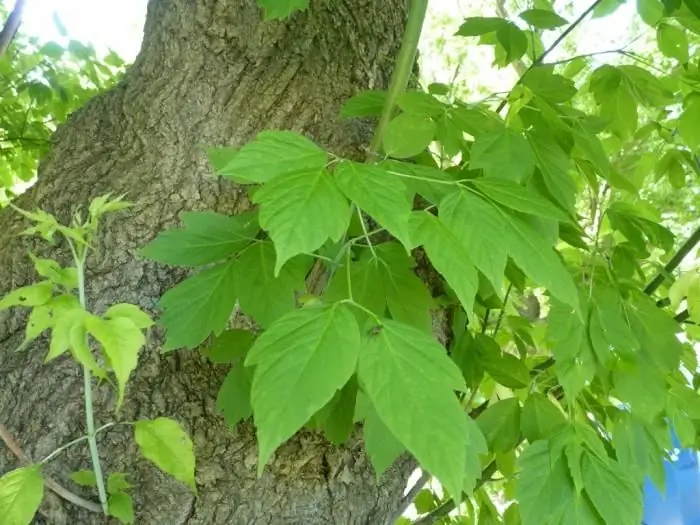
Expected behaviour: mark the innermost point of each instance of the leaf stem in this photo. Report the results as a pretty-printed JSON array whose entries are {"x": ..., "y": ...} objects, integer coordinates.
[
  {"x": 74, "y": 442},
  {"x": 347, "y": 272},
  {"x": 87, "y": 392},
  {"x": 365, "y": 232},
  {"x": 366, "y": 310}
]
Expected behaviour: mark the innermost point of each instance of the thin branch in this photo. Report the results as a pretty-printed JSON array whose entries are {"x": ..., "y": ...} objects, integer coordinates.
[
  {"x": 585, "y": 55},
  {"x": 10, "y": 30},
  {"x": 408, "y": 498},
  {"x": 447, "y": 507},
  {"x": 50, "y": 482},
  {"x": 503, "y": 310},
  {"x": 675, "y": 261},
  {"x": 538, "y": 61}
]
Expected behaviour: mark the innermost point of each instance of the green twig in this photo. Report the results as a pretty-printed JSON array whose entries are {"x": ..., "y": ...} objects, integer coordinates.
[
  {"x": 402, "y": 72},
  {"x": 87, "y": 386}
]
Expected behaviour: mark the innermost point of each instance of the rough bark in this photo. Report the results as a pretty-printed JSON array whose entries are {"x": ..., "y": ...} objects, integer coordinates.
[{"x": 209, "y": 73}]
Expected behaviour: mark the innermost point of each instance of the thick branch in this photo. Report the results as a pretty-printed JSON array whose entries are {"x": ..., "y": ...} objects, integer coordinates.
[{"x": 10, "y": 30}]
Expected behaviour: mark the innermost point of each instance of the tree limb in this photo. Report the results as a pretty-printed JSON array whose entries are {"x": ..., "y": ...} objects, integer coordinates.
[{"x": 10, "y": 30}]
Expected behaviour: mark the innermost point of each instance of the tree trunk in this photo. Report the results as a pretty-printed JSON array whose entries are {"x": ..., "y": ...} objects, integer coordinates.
[{"x": 209, "y": 73}]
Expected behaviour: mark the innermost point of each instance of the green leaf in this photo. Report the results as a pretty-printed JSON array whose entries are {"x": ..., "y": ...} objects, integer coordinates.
[
  {"x": 367, "y": 279},
  {"x": 504, "y": 368},
  {"x": 592, "y": 149},
  {"x": 164, "y": 442},
  {"x": 116, "y": 482},
  {"x": 574, "y": 361},
  {"x": 500, "y": 423},
  {"x": 80, "y": 350},
  {"x": 33, "y": 295},
  {"x": 476, "y": 447},
  {"x": 121, "y": 341},
  {"x": 131, "y": 312},
  {"x": 480, "y": 25},
  {"x": 408, "y": 135},
  {"x": 543, "y": 488},
  {"x": 282, "y": 8},
  {"x": 425, "y": 501},
  {"x": 609, "y": 330},
  {"x": 420, "y": 103},
  {"x": 54, "y": 272},
  {"x": 606, "y": 7},
  {"x": 650, "y": 11},
  {"x": 21, "y": 492},
  {"x": 262, "y": 295},
  {"x": 554, "y": 165},
  {"x": 380, "y": 194},
  {"x": 541, "y": 419},
  {"x": 64, "y": 320},
  {"x": 381, "y": 445},
  {"x": 271, "y": 154},
  {"x": 551, "y": 87},
  {"x": 513, "y": 40},
  {"x": 535, "y": 256},
  {"x": 120, "y": 506},
  {"x": 44, "y": 317},
  {"x": 206, "y": 237},
  {"x": 84, "y": 478},
  {"x": 301, "y": 360},
  {"x": 520, "y": 198},
  {"x": 672, "y": 42},
  {"x": 636, "y": 449},
  {"x": 689, "y": 123},
  {"x": 407, "y": 298},
  {"x": 449, "y": 256},
  {"x": 411, "y": 381},
  {"x": 543, "y": 19},
  {"x": 365, "y": 104},
  {"x": 642, "y": 388},
  {"x": 301, "y": 211},
  {"x": 503, "y": 154},
  {"x": 229, "y": 346},
  {"x": 613, "y": 493},
  {"x": 233, "y": 399},
  {"x": 199, "y": 306},
  {"x": 480, "y": 226},
  {"x": 340, "y": 422}
]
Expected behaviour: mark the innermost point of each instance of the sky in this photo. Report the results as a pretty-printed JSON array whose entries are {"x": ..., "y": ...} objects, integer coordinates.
[{"x": 117, "y": 25}]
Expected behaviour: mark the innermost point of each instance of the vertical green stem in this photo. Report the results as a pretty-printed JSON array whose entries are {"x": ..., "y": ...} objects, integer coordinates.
[
  {"x": 87, "y": 392},
  {"x": 402, "y": 71}
]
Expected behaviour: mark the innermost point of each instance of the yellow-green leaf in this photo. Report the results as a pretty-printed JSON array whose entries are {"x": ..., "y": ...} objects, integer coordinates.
[{"x": 164, "y": 442}]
